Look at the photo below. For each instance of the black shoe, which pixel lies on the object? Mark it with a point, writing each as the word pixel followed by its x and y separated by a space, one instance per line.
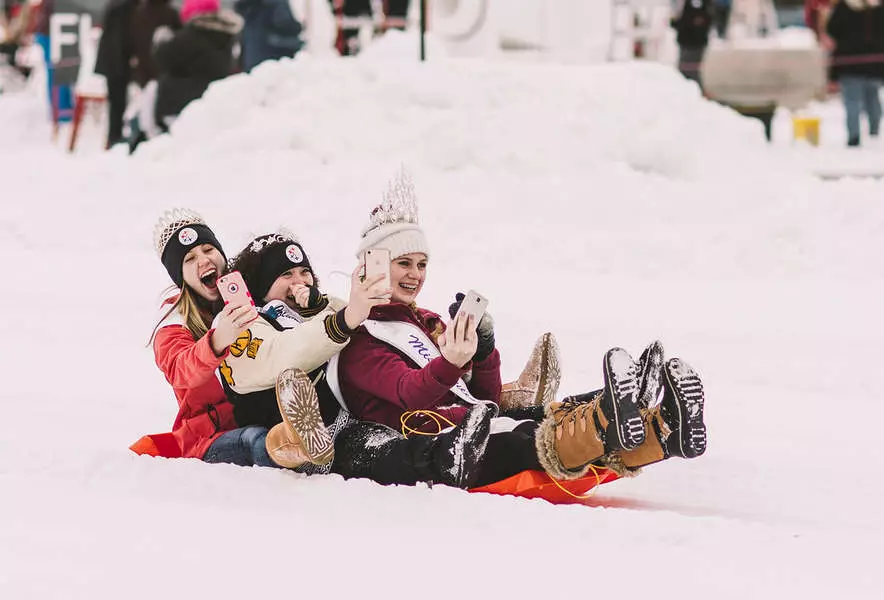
pixel 853 142
pixel 650 374
pixel 682 410
pixel 625 430
pixel 458 453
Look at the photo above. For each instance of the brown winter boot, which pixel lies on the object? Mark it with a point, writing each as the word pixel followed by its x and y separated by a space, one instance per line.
pixel 284 448
pixel 652 449
pixel 302 421
pixel 568 439
pixel 539 382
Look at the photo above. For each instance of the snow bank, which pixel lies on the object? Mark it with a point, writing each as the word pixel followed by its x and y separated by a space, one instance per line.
pixel 450 115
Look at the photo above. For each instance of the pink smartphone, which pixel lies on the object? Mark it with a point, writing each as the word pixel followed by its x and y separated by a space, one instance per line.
pixel 233 289
pixel 377 262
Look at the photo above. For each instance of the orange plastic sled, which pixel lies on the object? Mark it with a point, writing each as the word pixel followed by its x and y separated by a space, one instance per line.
pixel 527 484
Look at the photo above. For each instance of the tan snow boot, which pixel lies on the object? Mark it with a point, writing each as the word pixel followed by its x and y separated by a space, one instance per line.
pixel 284 448
pixel 567 439
pixel 299 407
pixel 651 450
pixel 539 382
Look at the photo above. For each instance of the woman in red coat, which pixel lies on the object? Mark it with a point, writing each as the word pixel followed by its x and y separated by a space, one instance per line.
pixel 407 369
pixel 192 340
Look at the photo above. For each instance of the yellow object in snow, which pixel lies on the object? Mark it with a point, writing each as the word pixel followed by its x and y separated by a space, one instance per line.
pixel 806 128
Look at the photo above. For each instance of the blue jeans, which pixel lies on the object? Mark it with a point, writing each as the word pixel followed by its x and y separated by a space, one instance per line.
pixel 861 93
pixel 244 447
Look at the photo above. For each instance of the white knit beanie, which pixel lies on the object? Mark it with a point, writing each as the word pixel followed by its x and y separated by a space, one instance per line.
pixel 394 224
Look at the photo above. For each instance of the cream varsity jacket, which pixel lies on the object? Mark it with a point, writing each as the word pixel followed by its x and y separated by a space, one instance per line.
pixel 262 351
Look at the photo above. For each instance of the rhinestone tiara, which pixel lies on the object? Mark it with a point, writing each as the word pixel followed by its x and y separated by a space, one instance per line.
pixel 171 221
pixel 282 235
pixel 398 204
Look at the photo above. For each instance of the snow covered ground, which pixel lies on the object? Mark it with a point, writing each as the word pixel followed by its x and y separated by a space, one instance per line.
pixel 642 211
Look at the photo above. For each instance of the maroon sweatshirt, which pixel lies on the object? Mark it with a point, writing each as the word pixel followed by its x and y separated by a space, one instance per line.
pixel 379 383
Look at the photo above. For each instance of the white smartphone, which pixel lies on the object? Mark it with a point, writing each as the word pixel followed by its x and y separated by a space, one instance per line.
pixel 474 304
pixel 377 262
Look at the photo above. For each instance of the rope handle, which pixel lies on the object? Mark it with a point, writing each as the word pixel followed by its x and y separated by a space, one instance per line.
pixel 437 418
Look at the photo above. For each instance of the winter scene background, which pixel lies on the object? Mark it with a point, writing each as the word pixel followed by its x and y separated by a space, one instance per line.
pixel 608 203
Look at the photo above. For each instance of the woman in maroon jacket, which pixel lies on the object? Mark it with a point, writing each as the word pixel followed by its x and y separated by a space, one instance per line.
pixel 406 369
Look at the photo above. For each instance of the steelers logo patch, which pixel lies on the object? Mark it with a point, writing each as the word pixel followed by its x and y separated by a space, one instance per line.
pixel 294 254
pixel 187 236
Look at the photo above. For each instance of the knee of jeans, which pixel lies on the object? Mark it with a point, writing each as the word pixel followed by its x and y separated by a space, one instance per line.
pixel 252 434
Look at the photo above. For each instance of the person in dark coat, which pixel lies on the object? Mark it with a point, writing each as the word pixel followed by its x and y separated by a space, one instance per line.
pixel 692 25
pixel 114 62
pixel 857 28
pixel 200 53
pixel 270 31
pixel 148 16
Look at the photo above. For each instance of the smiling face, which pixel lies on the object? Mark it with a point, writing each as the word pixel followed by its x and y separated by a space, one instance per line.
pixel 202 266
pixel 407 275
pixel 283 286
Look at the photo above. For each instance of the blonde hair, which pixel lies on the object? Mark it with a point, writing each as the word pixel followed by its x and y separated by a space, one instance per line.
pixel 188 306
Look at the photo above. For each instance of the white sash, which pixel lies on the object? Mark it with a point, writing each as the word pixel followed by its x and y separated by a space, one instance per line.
pixel 414 343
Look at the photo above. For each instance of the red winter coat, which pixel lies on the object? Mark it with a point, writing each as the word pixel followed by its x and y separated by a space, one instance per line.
pixel 379 383
pixel 189 366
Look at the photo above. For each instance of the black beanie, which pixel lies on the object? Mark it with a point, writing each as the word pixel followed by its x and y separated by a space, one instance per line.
pixel 276 254
pixel 180 242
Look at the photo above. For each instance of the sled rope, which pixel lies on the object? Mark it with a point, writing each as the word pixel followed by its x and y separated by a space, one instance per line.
pixel 598 482
pixel 437 418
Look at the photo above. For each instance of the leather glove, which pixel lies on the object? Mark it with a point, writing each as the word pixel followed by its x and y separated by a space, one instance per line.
pixel 485 330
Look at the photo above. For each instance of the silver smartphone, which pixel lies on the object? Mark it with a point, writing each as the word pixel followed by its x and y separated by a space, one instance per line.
pixel 474 304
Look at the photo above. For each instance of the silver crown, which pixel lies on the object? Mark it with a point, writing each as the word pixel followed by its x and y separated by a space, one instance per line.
pixel 398 205
pixel 282 235
pixel 171 221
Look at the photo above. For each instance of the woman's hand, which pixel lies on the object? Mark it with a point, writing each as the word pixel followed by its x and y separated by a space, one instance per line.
pixel 364 295
pixel 458 343
pixel 301 294
pixel 231 322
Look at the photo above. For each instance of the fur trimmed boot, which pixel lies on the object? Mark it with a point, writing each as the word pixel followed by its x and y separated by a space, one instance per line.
pixel 299 407
pixel 651 451
pixel 582 429
pixel 567 439
pixel 539 381
pixel 673 428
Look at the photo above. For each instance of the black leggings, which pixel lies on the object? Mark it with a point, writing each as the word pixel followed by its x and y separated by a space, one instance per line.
pixel 376 452
pixel 509 453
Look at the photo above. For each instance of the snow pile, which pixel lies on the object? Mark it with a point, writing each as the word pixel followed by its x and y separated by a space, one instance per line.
pixel 450 115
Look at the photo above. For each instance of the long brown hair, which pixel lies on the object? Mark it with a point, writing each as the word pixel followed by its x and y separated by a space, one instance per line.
pixel 196 311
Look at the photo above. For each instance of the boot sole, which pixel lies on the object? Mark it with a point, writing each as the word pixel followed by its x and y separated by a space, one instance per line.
pixel 299 408
pixel 651 375
pixel 622 388
pixel 686 392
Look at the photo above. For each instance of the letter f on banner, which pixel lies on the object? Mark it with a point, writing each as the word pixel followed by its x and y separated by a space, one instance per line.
pixel 57 36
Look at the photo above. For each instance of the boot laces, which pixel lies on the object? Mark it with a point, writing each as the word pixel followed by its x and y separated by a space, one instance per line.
pixel 571 407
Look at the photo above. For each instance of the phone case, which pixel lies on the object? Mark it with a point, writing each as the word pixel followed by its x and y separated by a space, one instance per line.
pixel 233 289
pixel 377 262
pixel 474 304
